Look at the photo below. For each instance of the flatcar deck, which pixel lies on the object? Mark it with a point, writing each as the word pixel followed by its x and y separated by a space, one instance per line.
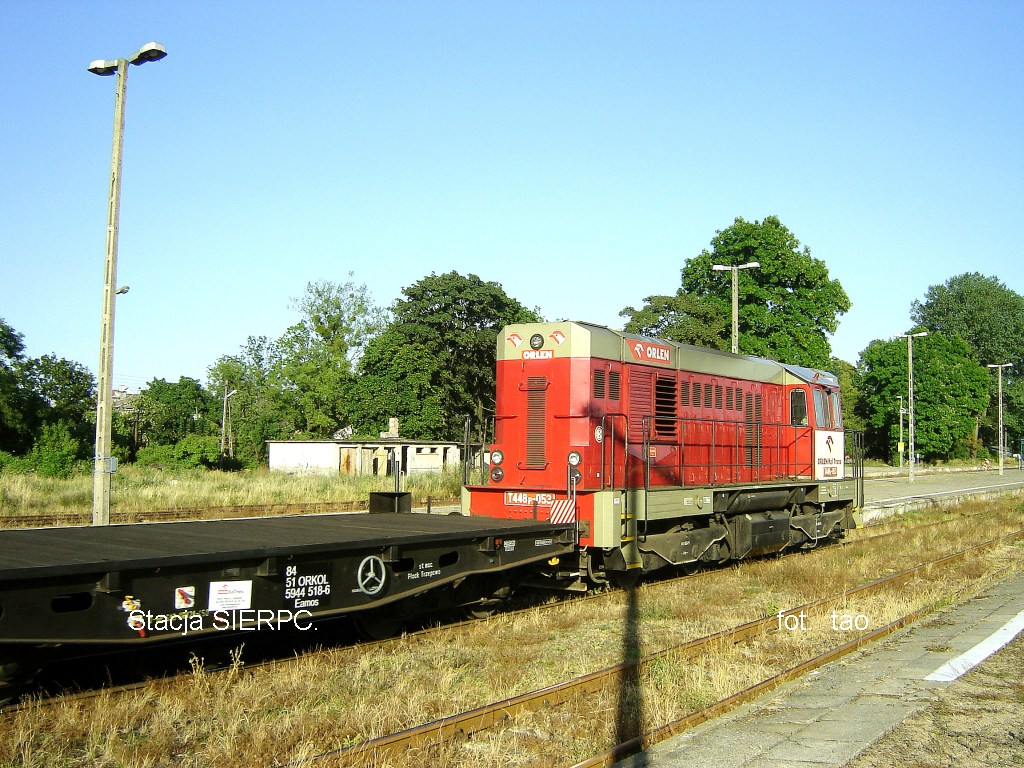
pixel 131 583
pixel 39 552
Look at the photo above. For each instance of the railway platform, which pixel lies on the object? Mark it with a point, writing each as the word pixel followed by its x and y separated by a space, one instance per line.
pixel 829 717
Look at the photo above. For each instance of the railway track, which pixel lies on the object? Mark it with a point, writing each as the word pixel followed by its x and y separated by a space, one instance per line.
pixel 65 698
pixel 596 685
pixel 502 713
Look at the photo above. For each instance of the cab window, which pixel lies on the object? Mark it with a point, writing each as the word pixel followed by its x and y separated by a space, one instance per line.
pixel 820 409
pixel 798 408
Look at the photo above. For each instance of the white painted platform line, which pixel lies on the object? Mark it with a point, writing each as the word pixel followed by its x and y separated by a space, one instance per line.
pixel 952 669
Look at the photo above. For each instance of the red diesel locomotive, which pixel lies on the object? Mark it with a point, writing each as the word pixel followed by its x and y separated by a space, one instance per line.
pixel 663 453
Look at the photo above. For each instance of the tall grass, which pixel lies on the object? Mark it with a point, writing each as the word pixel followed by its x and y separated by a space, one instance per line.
pixel 139 489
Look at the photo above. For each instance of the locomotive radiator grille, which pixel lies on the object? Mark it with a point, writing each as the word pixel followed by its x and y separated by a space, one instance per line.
pixel 536 421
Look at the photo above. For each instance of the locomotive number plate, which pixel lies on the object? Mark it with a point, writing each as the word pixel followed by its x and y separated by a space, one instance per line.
pixel 527 499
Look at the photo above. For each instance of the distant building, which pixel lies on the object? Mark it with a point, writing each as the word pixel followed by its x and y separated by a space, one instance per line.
pixel 362 457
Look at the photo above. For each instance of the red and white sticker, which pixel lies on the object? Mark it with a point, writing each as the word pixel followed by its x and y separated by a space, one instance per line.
pixel 649 352
pixel 515 340
pixel 557 336
pixel 563 511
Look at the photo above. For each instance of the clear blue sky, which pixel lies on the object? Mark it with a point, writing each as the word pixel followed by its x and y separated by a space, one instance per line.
pixel 576 152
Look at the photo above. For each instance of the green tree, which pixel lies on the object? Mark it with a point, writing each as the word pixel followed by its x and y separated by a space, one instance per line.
pixel 262 408
pixel 396 380
pixel 990 318
pixel 950 393
pixel 683 318
pixel 318 353
pixel 454 321
pixel 17 402
pixel 66 393
pixel 170 411
pixel 787 306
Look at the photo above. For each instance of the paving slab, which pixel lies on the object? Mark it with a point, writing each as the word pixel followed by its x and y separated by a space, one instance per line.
pixel 831 715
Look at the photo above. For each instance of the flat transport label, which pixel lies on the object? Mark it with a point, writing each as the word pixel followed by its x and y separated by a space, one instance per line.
pixel 528 499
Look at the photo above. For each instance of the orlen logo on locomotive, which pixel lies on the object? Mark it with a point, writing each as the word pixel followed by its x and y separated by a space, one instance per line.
pixel 652 353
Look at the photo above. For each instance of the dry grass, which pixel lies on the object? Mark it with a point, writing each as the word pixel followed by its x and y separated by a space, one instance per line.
pixel 345 696
pixel 137 489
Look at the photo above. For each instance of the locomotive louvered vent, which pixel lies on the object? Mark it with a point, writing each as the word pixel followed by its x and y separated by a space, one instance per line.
pixel 753 437
pixel 728 398
pixel 665 424
pixel 599 384
pixel 641 390
pixel 707 396
pixel 696 394
pixel 684 394
pixel 614 385
pixel 536 421
pixel 718 397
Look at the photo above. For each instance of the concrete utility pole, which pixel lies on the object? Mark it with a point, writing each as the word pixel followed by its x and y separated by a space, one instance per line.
pixel 910 395
pixel 1001 447
pixel 735 269
pixel 105 464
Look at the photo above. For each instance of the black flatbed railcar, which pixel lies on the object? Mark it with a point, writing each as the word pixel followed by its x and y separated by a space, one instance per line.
pixel 147 581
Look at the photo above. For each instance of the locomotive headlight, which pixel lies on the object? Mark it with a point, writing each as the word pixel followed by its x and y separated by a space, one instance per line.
pixel 497 457
pixel 497 473
pixel 575 458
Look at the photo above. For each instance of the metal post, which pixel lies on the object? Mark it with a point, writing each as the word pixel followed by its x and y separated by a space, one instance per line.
pixel 1001 441
pixel 104 396
pixel 900 445
pixel 910 397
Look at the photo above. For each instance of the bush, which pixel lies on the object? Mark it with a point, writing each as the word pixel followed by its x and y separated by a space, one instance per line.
pixel 190 452
pixel 55 453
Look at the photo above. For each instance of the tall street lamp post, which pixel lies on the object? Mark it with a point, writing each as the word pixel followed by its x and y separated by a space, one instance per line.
pixel 735 269
pixel 1001 448
pixel 105 464
pixel 910 396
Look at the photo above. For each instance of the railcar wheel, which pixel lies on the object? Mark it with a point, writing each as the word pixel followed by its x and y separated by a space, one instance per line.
pixel 488 606
pixel 378 623
pixel 625 579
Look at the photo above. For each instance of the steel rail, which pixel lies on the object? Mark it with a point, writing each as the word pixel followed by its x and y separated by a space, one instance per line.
pixel 467 723
pixel 647 740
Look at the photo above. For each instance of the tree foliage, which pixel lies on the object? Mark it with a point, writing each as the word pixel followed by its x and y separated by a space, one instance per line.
pixel 16 401
pixel 683 318
pixel 989 317
pixel 262 407
pixel 453 321
pixel 787 307
pixel 950 393
pixel 318 353
pixel 168 411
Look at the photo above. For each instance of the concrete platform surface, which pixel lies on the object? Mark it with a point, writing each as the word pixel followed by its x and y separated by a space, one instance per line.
pixel 831 715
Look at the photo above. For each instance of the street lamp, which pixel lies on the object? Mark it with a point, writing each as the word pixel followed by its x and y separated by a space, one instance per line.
pixel 735 269
pixel 910 392
pixel 224 422
pixel 105 464
pixel 1000 369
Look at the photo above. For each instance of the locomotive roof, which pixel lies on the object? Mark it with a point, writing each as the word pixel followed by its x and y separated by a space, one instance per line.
pixel 578 339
